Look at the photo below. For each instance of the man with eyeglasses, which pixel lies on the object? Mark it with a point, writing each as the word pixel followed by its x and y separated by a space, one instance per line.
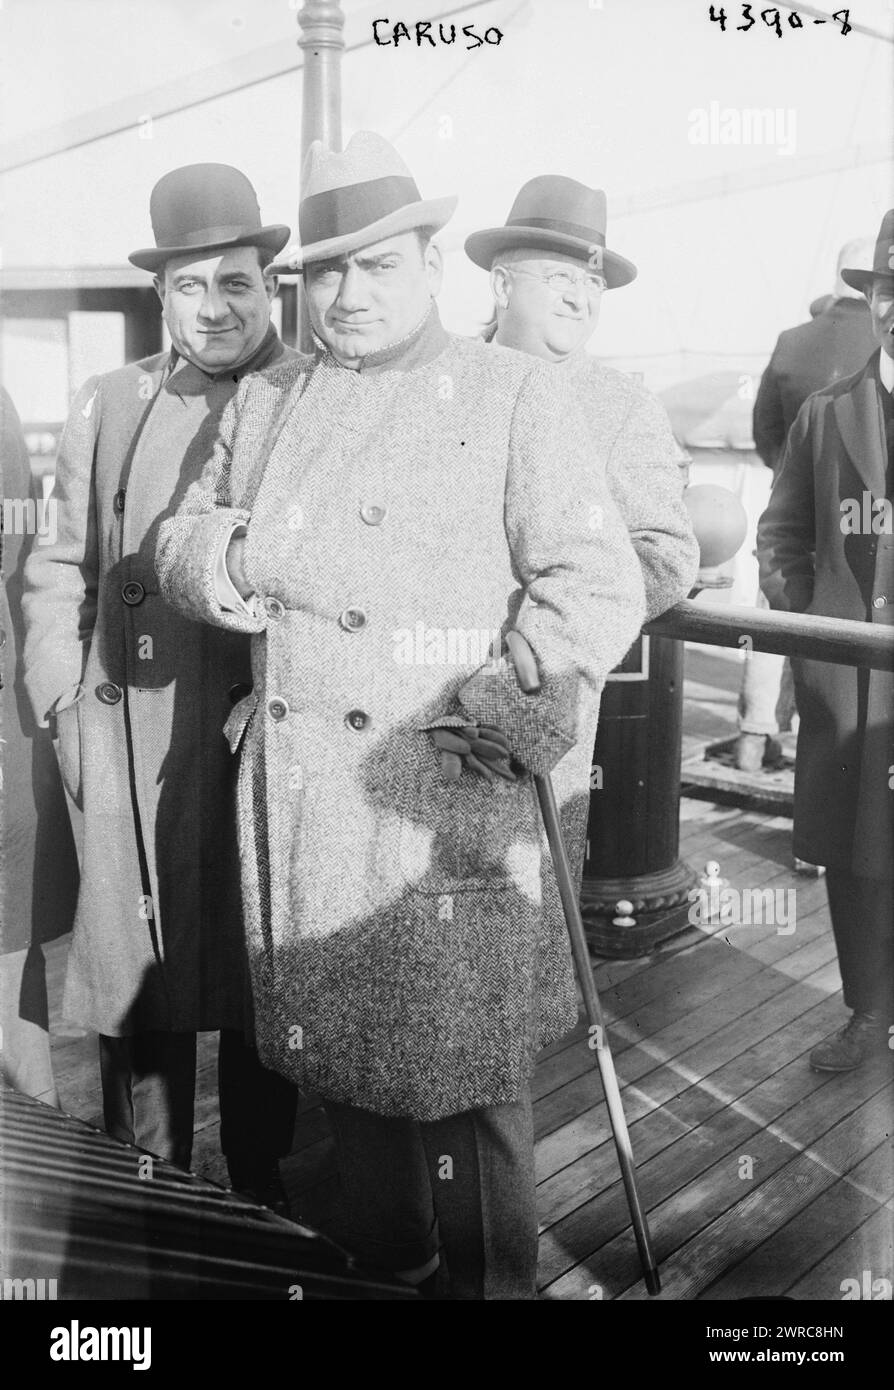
pixel 549 267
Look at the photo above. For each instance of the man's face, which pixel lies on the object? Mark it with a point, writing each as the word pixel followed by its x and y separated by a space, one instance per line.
pixel 217 307
pixel 550 318
pixel 371 298
pixel 881 307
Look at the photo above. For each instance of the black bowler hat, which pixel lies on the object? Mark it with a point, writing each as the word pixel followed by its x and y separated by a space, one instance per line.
pixel 554 213
pixel 205 207
pixel 882 261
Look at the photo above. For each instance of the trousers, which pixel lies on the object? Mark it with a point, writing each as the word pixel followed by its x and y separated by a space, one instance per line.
pixel 148 1096
pixel 862 911
pixel 462 1186
pixel 767 693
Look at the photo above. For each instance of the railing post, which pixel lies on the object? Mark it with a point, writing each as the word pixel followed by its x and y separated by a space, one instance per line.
pixel 633 830
pixel 321 24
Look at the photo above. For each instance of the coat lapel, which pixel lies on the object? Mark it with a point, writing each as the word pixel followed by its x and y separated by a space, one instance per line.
pixel 861 425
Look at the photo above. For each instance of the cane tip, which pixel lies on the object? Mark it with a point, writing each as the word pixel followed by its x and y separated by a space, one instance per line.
pixel 653 1281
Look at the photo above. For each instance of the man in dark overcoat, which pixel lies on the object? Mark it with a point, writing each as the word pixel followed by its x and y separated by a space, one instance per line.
pixel 137 695
pixel 825 546
pixel 834 344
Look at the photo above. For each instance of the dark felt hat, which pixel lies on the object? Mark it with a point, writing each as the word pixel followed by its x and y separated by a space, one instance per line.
pixel 205 207
pixel 882 261
pixel 554 213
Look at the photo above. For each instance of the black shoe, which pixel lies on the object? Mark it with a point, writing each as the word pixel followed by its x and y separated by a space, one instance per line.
pixel 262 1183
pixel 860 1036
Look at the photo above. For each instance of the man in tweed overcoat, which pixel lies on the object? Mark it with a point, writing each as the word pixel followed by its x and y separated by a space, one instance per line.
pixel 374 515
pixel 136 696
pixel 549 268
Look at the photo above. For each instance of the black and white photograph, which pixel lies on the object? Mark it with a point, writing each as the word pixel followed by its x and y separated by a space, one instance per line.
pixel 447 660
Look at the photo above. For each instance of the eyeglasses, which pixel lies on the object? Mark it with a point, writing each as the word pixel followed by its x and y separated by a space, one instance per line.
pixel 564 281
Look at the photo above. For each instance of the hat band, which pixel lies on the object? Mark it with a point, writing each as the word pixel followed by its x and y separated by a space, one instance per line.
pixel 340 211
pixel 207 236
pixel 552 224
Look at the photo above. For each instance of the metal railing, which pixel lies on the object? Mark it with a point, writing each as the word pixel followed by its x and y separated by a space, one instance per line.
pixel 788 634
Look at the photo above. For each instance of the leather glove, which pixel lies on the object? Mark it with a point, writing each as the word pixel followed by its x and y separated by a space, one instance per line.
pixel 481 747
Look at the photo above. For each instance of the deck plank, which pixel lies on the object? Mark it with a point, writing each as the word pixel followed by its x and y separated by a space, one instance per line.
pixel 711 1034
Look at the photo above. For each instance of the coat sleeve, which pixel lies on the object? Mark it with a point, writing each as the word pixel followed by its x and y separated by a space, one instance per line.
pixel 786 533
pixel 189 542
pixel 61 578
pixel 583 601
pixel 647 485
pixel 767 416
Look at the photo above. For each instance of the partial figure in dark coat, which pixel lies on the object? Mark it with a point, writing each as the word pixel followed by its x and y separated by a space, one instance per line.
pixel 38 863
pixel 138 696
pixel 837 342
pixel 825 546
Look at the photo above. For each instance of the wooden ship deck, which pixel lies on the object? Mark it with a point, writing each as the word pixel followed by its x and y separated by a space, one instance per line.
pixel 759 1176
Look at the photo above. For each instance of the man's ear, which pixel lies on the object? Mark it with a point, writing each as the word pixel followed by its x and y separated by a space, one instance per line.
pixel 500 286
pixel 271 285
pixel 159 283
pixel 434 267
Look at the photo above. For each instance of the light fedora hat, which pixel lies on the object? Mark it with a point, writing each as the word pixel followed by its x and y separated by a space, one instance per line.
pixel 205 207
pixel 554 213
pixel 882 261
pixel 355 198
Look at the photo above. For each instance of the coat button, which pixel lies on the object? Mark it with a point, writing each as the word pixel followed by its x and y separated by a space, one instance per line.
pixel 274 608
pixel 880 602
pixel 373 515
pixel 118 502
pixel 238 692
pixel 133 593
pixel 109 693
pixel 358 720
pixel 2 637
pixel 352 619
pixel 277 709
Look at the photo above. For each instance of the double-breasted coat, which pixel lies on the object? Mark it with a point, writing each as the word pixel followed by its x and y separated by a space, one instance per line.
pixel 407 947
pixel 140 695
pixel 816 558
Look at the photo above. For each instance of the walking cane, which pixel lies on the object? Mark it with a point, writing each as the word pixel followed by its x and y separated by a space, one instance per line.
pixel 529 680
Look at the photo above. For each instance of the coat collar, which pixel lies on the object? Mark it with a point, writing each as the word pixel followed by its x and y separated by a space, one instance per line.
pixel 184 378
pixel 861 424
pixel 420 346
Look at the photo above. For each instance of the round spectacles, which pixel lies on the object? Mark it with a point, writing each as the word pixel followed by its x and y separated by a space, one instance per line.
pixel 564 281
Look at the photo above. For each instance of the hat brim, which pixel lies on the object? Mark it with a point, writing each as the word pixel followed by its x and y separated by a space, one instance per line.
pixel 863 279
pixel 431 212
pixel 273 238
pixel 482 247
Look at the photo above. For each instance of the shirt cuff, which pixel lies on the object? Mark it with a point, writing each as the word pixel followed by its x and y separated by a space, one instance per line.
pixel 229 598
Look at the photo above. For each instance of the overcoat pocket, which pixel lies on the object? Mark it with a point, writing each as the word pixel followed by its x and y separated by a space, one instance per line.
pixel 67 743
pixel 239 719
pixel 458 836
